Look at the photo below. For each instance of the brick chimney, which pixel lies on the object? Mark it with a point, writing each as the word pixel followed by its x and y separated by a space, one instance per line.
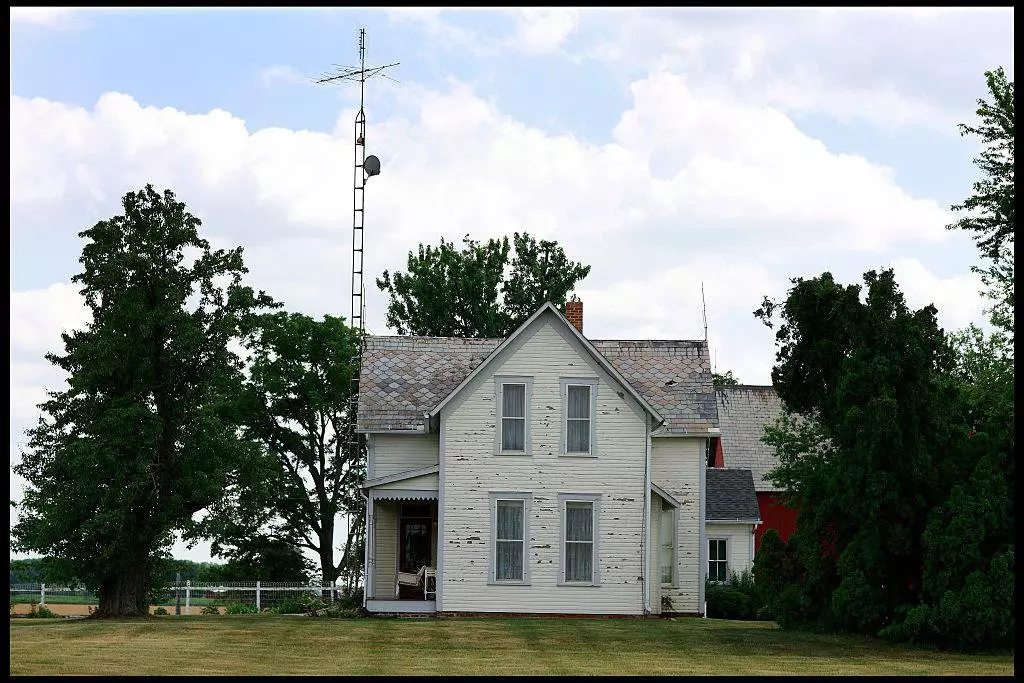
pixel 574 313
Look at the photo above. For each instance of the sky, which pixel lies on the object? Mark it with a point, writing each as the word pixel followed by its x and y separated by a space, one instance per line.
pixel 669 149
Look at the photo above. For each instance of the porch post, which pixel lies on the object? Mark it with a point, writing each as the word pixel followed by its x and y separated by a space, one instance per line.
pixel 369 547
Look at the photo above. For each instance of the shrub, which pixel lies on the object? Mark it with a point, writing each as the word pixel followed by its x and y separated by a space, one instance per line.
pixel 211 609
pixel 241 608
pixel 41 612
pixel 725 602
pixel 352 599
pixel 160 611
pixel 290 606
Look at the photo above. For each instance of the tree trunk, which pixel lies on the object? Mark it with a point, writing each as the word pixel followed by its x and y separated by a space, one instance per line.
pixel 124 595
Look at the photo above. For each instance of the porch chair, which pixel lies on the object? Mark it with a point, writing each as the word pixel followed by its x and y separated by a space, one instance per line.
pixel 426 577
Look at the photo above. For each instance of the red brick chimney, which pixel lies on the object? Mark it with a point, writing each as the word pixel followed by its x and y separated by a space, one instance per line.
pixel 574 313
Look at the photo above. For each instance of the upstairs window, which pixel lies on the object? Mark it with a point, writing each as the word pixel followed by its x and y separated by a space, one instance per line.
pixel 577 428
pixel 513 417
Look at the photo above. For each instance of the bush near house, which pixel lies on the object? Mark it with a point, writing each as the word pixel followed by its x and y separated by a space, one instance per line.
pixel 738 598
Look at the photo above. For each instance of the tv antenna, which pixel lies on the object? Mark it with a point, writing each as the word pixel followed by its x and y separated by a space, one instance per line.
pixel 704 311
pixel 364 168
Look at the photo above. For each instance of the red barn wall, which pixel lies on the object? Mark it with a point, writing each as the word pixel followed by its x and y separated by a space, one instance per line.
pixel 774 515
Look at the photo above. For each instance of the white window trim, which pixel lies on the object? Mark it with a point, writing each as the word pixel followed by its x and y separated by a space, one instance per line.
pixel 527 499
pixel 707 569
pixel 500 380
pixel 565 383
pixel 595 500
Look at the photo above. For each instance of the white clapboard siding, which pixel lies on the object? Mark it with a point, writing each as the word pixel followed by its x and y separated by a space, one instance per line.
pixel 738 544
pixel 385 543
pixel 471 470
pixel 426 482
pixel 676 464
pixel 394 453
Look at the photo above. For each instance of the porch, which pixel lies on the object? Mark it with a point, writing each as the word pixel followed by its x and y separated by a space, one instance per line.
pixel 402 551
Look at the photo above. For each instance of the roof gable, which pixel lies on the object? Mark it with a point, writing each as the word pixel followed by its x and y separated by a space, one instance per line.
pixel 587 346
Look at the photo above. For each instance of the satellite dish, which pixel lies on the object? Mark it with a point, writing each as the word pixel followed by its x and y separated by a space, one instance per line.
pixel 372 166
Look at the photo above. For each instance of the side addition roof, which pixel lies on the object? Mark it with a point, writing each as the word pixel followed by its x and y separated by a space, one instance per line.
pixel 730 495
pixel 743 412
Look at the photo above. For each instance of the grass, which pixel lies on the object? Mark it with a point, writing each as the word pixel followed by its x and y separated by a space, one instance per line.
pixel 33 599
pixel 272 645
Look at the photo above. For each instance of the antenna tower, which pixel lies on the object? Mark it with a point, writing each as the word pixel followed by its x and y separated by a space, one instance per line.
pixel 704 310
pixel 364 167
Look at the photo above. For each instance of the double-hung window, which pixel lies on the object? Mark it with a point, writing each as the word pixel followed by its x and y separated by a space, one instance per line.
pixel 579 552
pixel 579 405
pixel 509 520
pixel 513 432
pixel 718 563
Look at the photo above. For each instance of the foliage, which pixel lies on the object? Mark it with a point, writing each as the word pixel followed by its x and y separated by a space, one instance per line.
pixel 30 570
pixel 210 609
pixel 477 292
pixel 260 558
pixel 41 612
pixel 738 598
pixel 290 606
pixel 989 211
pixel 160 612
pixel 896 447
pixel 145 434
pixel 724 380
pixel 296 406
pixel 241 608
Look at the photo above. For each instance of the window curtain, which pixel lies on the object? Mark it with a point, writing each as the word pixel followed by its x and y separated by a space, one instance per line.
pixel 578 420
pixel 513 414
pixel 579 541
pixel 508 556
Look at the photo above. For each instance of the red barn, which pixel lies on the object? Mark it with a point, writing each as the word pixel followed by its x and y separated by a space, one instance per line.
pixel 743 412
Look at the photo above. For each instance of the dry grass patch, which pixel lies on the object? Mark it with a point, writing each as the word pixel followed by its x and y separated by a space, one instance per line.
pixel 277 644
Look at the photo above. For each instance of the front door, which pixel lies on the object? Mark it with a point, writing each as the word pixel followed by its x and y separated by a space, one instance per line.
pixel 413 543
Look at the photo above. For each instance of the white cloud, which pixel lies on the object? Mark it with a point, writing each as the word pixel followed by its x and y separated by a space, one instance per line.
pixel 958 298
pixel 544 30
pixel 49 17
pixel 38 317
pixel 282 74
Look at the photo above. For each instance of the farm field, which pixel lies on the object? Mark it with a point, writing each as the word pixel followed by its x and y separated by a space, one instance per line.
pixel 272 645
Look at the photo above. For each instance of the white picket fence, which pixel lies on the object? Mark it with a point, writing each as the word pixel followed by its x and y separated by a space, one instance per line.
pixel 191 596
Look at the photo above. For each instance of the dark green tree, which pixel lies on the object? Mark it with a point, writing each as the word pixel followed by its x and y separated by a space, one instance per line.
pixel 296 407
pixel 476 292
pixel 261 558
pixel 726 379
pixel 145 434
pixel 988 212
pixel 871 455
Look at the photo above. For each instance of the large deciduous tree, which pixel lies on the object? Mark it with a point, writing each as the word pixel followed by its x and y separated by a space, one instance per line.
pixel 296 408
pixel 477 292
pixel 145 435
pixel 988 212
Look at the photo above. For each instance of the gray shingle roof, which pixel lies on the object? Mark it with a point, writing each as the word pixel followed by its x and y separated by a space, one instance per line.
pixel 743 411
pixel 402 377
pixel 730 495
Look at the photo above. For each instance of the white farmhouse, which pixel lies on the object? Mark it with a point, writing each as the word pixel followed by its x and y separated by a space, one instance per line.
pixel 543 473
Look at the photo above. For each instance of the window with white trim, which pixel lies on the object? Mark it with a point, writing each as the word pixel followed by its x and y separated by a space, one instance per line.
pixel 513 417
pixel 509 540
pixel 718 564
pixel 577 418
pixel 579 541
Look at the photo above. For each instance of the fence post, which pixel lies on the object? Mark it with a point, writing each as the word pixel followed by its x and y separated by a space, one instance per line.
pixel 257 596
pixel 188 596
pixel 177 594
pixel 42 595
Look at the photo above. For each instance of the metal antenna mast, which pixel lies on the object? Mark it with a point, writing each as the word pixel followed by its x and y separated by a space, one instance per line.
pixel 364 167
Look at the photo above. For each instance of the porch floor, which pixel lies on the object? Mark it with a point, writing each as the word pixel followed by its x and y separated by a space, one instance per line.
pixel 386 606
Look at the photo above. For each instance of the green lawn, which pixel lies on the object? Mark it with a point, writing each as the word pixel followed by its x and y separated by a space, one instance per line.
pixel 271 644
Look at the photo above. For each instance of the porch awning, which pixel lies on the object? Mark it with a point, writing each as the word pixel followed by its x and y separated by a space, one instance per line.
pixel 403 494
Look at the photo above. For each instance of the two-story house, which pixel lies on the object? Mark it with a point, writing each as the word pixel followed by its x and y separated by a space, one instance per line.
pixel 540 473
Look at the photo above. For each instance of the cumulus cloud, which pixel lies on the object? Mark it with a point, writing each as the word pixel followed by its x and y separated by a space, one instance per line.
pixel 544 30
